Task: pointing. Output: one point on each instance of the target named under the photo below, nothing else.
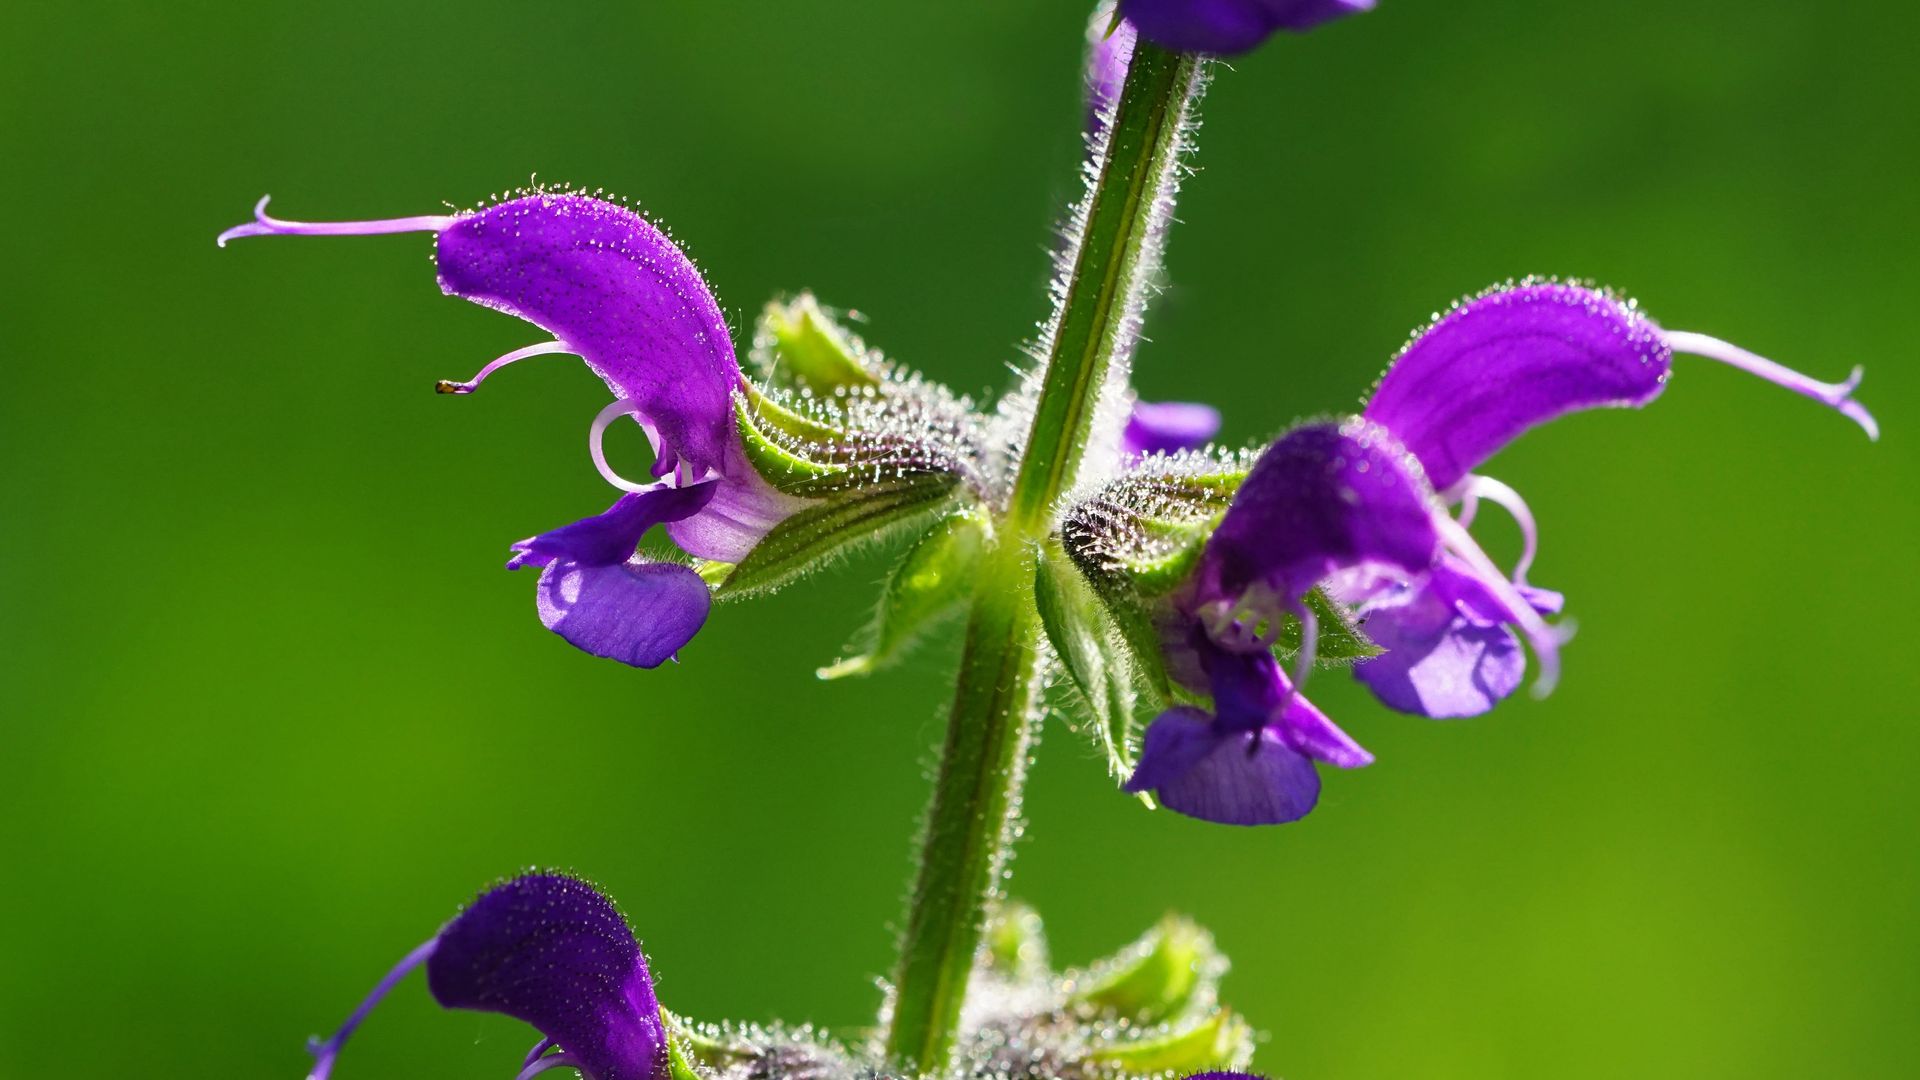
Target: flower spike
(266, 225)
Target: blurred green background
(273, 710)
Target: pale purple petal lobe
(1508, 360)
(744, 509)
(1167, 427)
(638, 613)
(1174, 743)
(555, 953)
(1249, 778)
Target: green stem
(970, 826)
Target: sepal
(1172, 967)
(1341, 639)
(1016, 943)
(828, 529)
(1093, 650)
(1217, 1040)
(798, 345)
(1150, 525)
(812, 449)
(1150, 1010)
(932, 582)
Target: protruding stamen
(551, 1061)
(1309, 647)
(325, 1051)
(534, 1054)
(1837, 396)
(1544, 639)
(264, 225)
(1473, 488)
(448, 386)
(596, 438)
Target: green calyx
(826, 530)
(1159, 976)
(798, 345)
(1093, 650)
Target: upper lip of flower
(551, 950)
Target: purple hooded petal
(615, 290)
(638, 613)
(1247, 778)
(1324, 497)
(609, 537)
(1508, 360)
(1230, 26)
(1166, 427)
(553, 952)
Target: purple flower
(1323, 497)
(1489, 370)
(552, 951)
(1361, 509)
(1168, 427)
(1229, 26)
(614, 290)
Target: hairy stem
(976, 801)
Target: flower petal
(1462, 668)
(1175, 742)
(1449, 652)
(1247, 779)
(638, 613)
(1311, 732)
(1323, 497)
(744, 508)
(552, 951)
(1230, 26)
(1166, 427)
(615, 290)
(610, 536)
(1508, 360)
